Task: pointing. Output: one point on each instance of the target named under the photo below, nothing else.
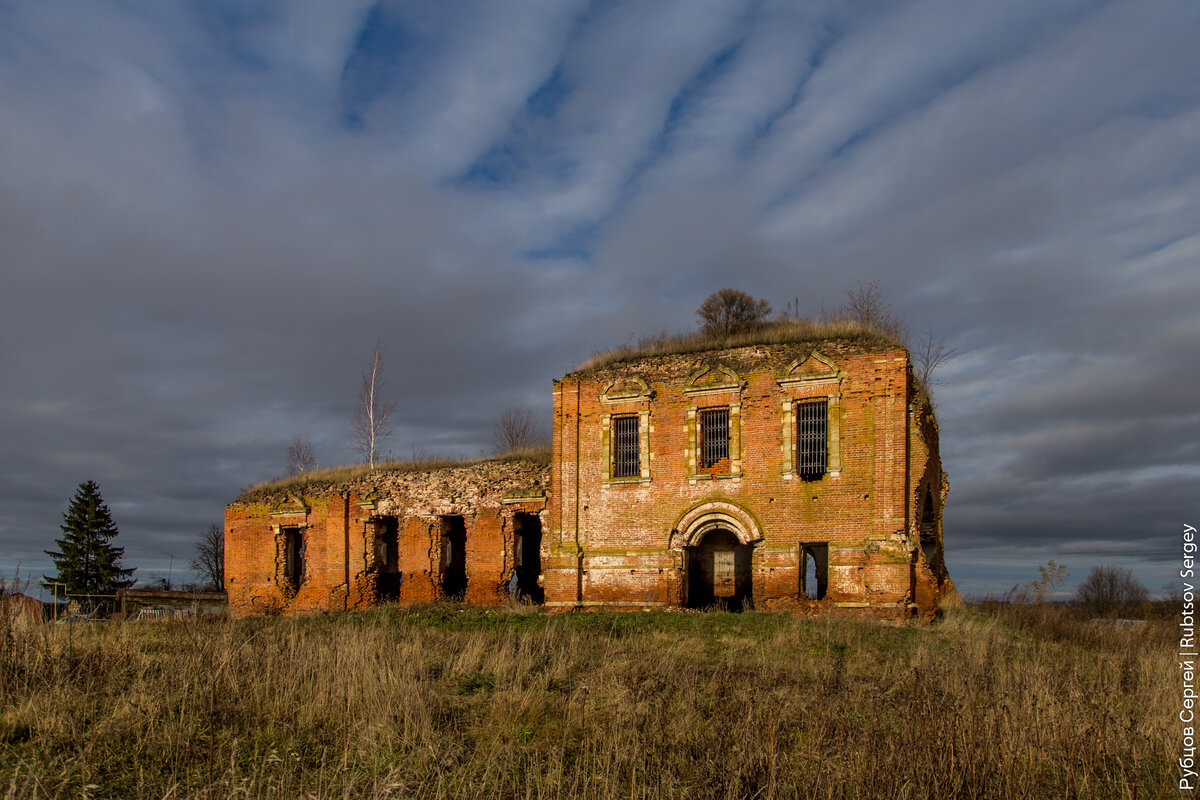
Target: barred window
(714, 436)
(627, 459)
(811, 432)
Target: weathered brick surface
(340, 525)
(627, 542)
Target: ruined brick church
(772, 476)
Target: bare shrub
(928, 354)
(517, 429)
(728, 311)
(1107, 589)
(867, 306)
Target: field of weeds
(446, 702)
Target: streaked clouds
(208, 212)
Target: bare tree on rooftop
(517, 429)
(928, 354)
(300, 457)
(369, 425)
(727, 311)
(867, 306)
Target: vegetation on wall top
(336, 478)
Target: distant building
(803, 476)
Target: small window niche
(814, 570)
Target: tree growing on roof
(370, 424)
(87, 562)
(516, 430)
(728, 311)
(300, 457)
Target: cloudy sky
(209, 211)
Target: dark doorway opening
(719, 572)
(454, 557)
(527, 555)
(927, 526)
(814, 572)
(387, 558)
(293, 557)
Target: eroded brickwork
(638, 540)
(345, 560)
(773, 477)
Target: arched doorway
(719, 571)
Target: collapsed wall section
(459, 532)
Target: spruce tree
(86, 562)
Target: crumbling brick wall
(638, 530)
(340, 524)
(626, 541)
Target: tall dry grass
(447, 702)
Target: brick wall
(339, 526)
(626, 541)
(630, 538)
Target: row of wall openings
(812, 440)
(714, 437)
(812, 457)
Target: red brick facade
(409, 537)
(666, 535)
(773, 476)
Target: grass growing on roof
(784, 331)
(335, 477)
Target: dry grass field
(448, 702)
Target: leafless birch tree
(370, 424)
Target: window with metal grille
(627, 460)
(714, 436)
(811, 430)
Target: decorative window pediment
(627, 389)
(815, 367)
(292, 506)
(713, 380)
